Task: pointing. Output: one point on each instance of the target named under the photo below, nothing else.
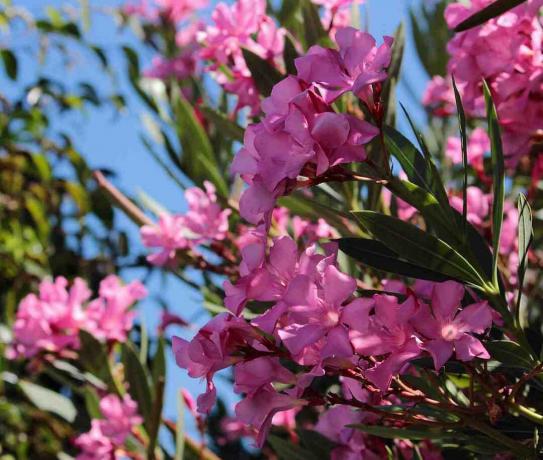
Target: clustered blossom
(507, 53)
(108, 434)
(205, 221)
(300, 134)
(303, 230)
(244, 24)
(51, 321)
(173, 11)
(337, 13)
(316, 321)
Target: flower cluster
(109, 433)
(51, 320)
(506, 52)
(300, 133)
(316, 322)
(244, 24)
(204, 221)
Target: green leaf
(405, 433)
(79, 195)
(226, 126)
(48, 400)
(498, 169)
(289, 56)
(286, 450)
(314, 32)
(180, 428)
(92, 402)
(156, 415)
(134, 76)
(510, 354)
(464, 146)
(377, 255)
(265, 75)
(138, 383)
(158, 365)
(495, 9)
(94, 359)
(525, 238)
(419, 247)
(198, 160)
(10, 63)
(419, 170)
(389, 89)
(319, 446)
(42, 166)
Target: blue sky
(112, 141)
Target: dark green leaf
(138, 383)
(377, 255)
(226, 126)
(264, 74)
(158, 366)
(525, 231)
(406, 433)
(92, 402)
(198, 160)
(389, 88)
(510, 354)
(319, 446)
(10, 63)
(314, 32)
(94, 359)
(48, 400)
(464, 146)
(419, 247)
(498, 170)
(286, 450)
(495, 9)
(289, 55)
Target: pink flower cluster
(109, 433)
(300, 133)
(204, 221)
(173, 11)
(51, 320)
(315, 321)
(337, 13)
(244, 24)
(507, 53)
(302, 229)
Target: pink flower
(259, 408)
(356, 66)
(51, 321)
(446, 328)
(478, 206)
(386, 332)
(205, 221)
(506, 52)
(352, 444)
(94, 444)
(108, 317)
(250, 376)
(169, 235)
(211, 350)
(439, 97)
(120, 415)
(298, 132)
(478, 146)
(110, 432)
(177, 10)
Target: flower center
(332, 318)
(449, 332)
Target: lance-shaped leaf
(419, 169)
(94, 359)
(510, 354)
(464, 146)
(287, 450)
(495, 9)
(377, 255)
(418, 247)
(10, 63)
(389, 88)
(314, 32)
(498, 171)
(48, 400)
(406, 433)
(525, 236)
(138, 383)
(265, 75)
(289, 55)
(230, 128)
(198, 160)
